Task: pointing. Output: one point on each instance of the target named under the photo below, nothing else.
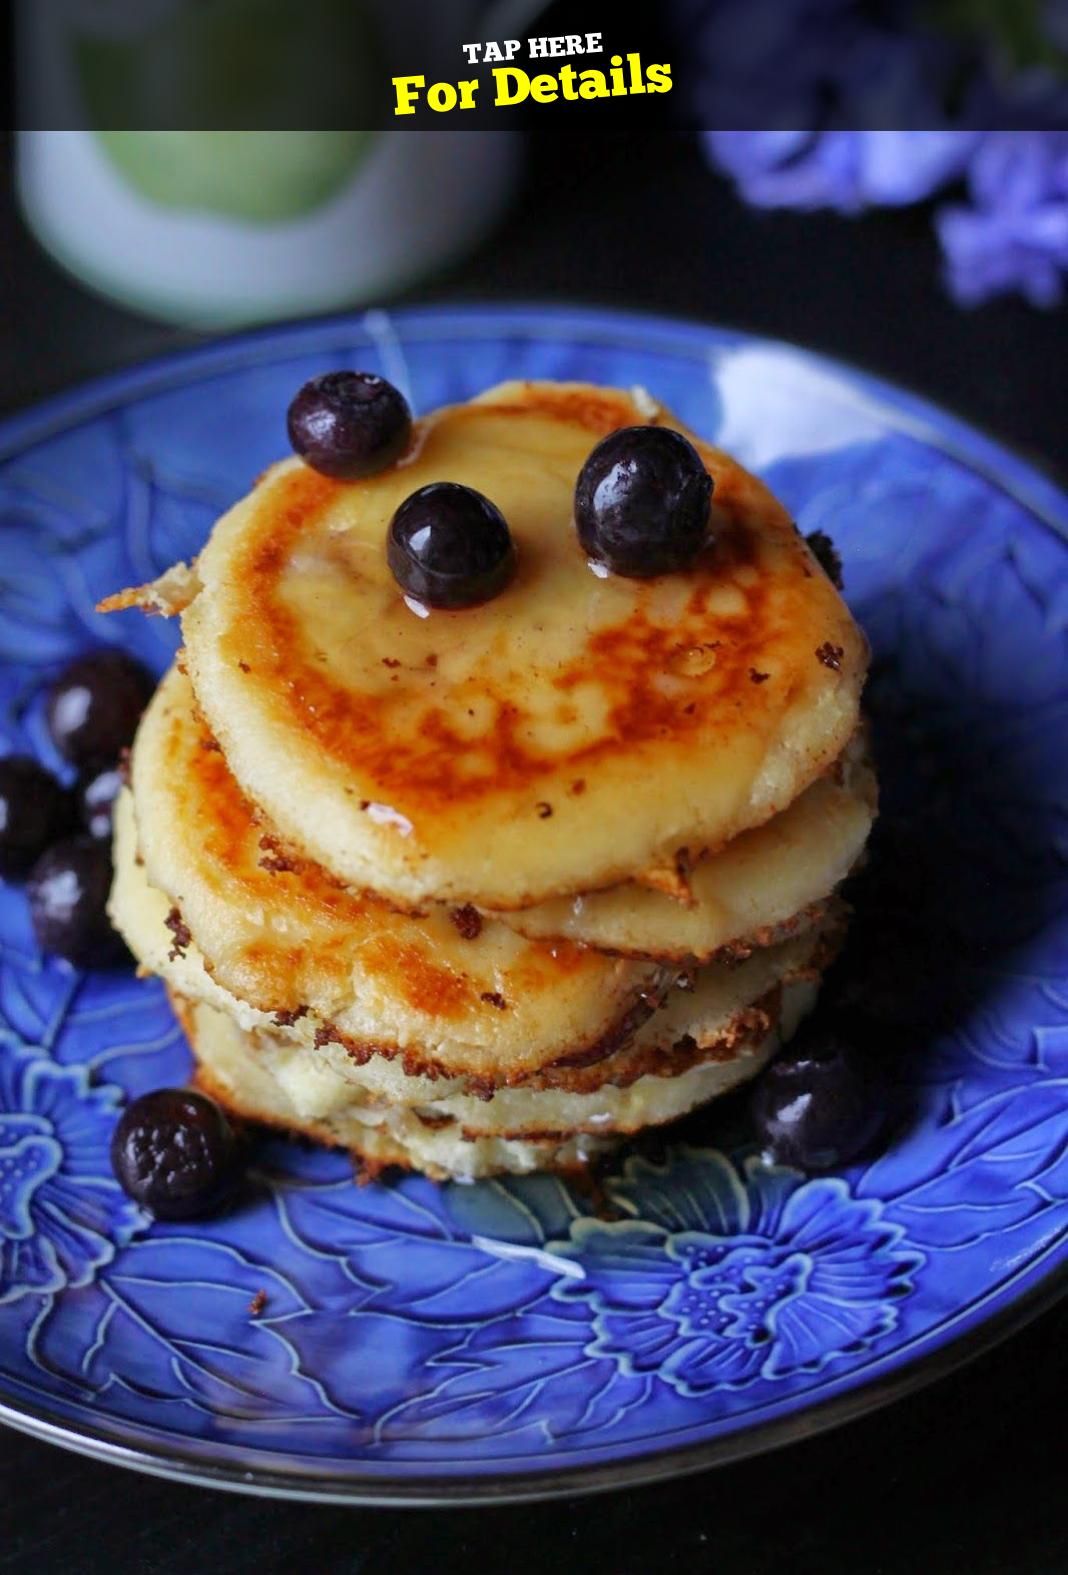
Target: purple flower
(827, 65)
(846, 170)
(1014, 235)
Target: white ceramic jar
(218, 228)
(412, 201)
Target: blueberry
(817, 1107)
(95, 793)
(95, 705)
(35, 809)
(348, 424)
(642, 501)
(448, 546)
(175, 1152)
(68, 892)
(826, 554)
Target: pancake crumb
(758, 678)
(494, 998)
(180, 931)
(257, 1304)
(275, 860)
(830, 655)
(468, 921)
(482, 1088)
(544, 809)
(287, 1017)
(245, 668)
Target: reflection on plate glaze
(408, 1332)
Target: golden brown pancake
(485, 891)
(263, 1076)
(286, 938)
(725, 1008)
(767, 884)
(230, 1070)
(574, 732)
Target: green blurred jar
(224, 227)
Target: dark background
(967, 1475)
(636, 219)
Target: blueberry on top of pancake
(415, 753)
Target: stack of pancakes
(485, 890)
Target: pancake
(490, 891)
(286, 938)
(767, 884)
(314, 1080)
(207, 850)
(263, 1077)
(573, 733)
(726, 1012)
(229, 1070)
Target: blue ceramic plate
(429, 1343)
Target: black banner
(332, 65)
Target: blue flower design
(735, 1272)
(409, 1331)
(62, 1214)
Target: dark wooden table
(965, 1476)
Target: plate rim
(995, 461)
(1043, 493)
(646, 1470)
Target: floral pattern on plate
(406, 1339)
